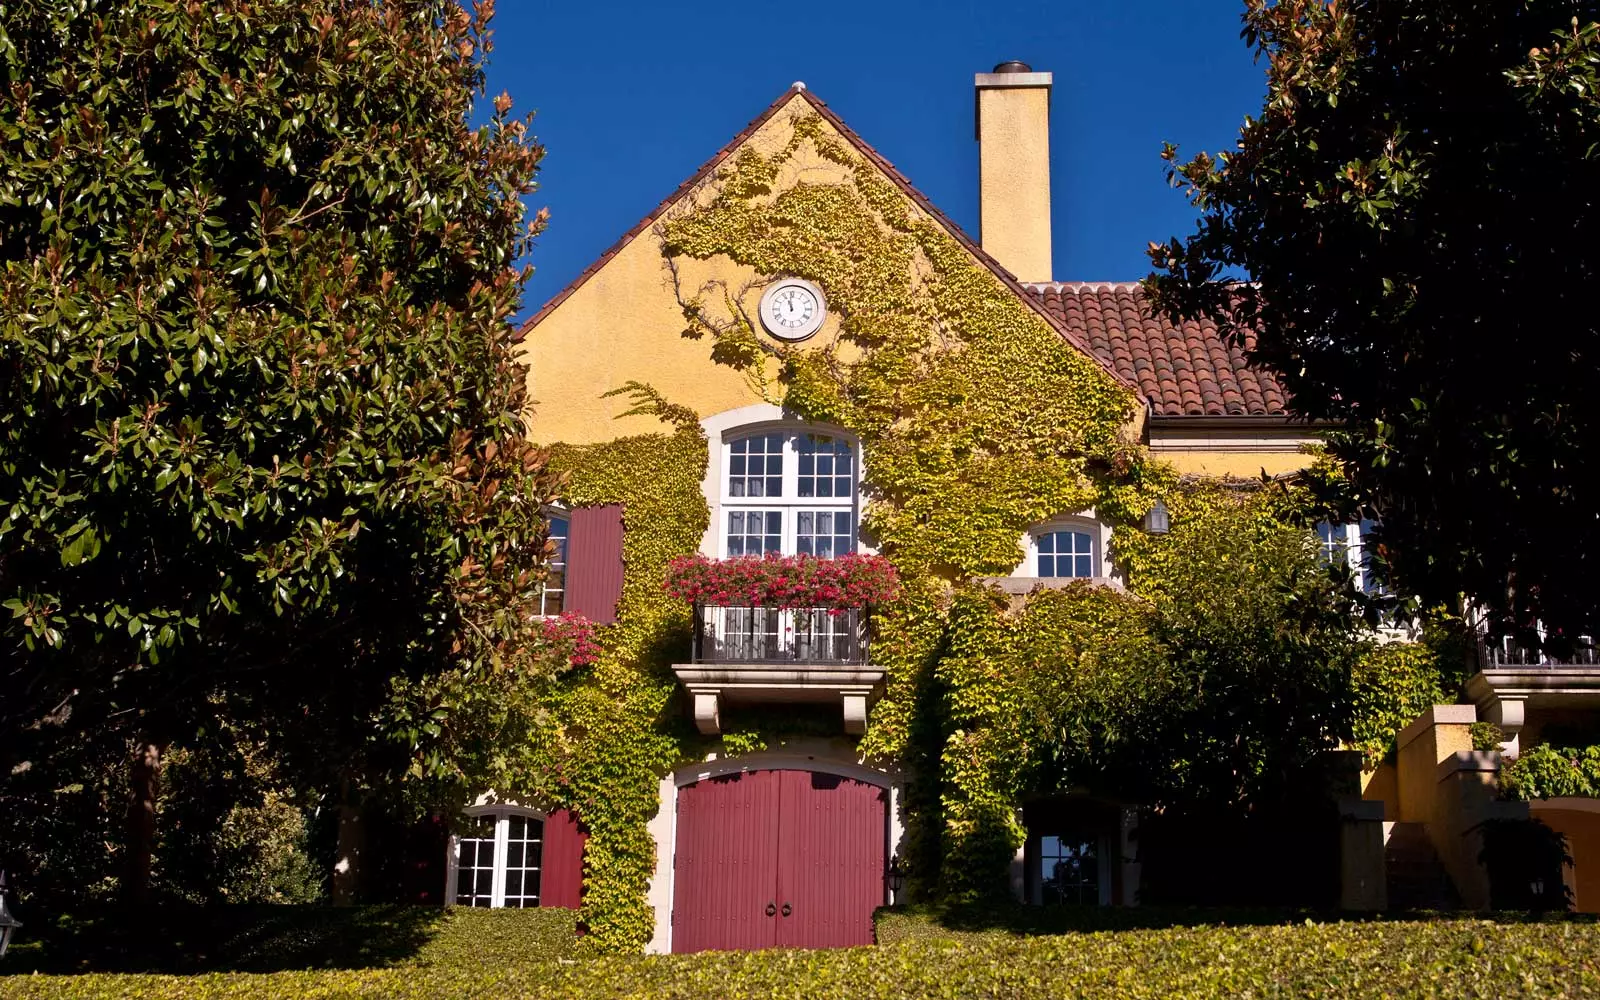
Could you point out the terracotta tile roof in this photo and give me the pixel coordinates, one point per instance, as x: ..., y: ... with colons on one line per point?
x: 1186, y: 369
x: 889, y: 170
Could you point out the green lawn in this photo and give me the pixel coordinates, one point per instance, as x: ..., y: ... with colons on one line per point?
x: 498, y: 955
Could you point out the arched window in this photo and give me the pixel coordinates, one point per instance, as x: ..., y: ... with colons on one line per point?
x: 1067, y: 553
x: 789, y: 492
x: 498, y: 856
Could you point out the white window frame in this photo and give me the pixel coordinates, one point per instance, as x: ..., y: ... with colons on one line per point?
x: 1352, y: 540
x: 502, y: 815
x: 565, y: 515
x: 790, y: 504
x: 1099, y: 542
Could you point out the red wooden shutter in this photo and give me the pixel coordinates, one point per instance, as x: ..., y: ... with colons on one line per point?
x: 594, y: 562
x: 561, y: 861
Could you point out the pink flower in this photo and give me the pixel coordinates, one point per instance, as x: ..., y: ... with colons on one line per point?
x: 773, y: 580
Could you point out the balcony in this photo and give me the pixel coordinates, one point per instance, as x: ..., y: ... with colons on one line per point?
x: 753, y: 655
x: 1513, y: 678
x: 1496, y: 654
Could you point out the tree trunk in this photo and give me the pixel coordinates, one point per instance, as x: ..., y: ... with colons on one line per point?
x: 347, y: 868
x: 144, y: 785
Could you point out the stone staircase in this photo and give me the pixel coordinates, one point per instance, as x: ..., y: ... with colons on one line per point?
x: 1417, y: 878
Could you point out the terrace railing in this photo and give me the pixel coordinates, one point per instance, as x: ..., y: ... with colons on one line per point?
x: 1498, y: 653
x: 779, y: 635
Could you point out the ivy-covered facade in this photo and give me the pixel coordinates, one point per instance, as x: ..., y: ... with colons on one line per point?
x: 1087, y: 509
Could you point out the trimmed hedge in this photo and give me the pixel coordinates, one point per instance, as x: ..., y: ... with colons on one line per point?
x: 194, y: 940
x: 1445, y: 958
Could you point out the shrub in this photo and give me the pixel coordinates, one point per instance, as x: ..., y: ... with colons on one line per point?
x: 1444, y: 959
x: 1391, y: 684
x: 1525, y: 860
x: 1546, y: 772
x: 194, y: 939
x: 1486, y: 737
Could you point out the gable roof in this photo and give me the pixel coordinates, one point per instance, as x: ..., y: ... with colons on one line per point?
x: 1186, y: 369
x: 798, y: 92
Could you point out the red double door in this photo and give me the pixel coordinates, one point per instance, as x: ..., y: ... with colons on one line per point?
x: 786, y: 859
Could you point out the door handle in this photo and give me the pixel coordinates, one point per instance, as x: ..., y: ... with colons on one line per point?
x: 787, y: 909
x: 772, y: 908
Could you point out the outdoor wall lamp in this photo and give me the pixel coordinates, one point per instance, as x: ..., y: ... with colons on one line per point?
x: 897, y: 875
x: 1158, y: 521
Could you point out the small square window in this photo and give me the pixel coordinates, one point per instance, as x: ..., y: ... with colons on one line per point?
x: 1068, y: 554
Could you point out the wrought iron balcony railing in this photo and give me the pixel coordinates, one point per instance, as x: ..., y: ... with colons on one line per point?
x: 774, y: 635
x: 1500, y: 653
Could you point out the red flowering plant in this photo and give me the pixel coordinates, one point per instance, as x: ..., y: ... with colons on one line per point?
x: 774, y: 581
x: 569, y: 637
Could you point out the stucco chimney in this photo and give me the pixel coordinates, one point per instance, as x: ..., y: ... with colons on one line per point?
x: 1013, y: 128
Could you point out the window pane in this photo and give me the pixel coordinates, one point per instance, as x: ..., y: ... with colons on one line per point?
x: 750, y: 533
x: 1047, y: 544
x: 1081, y: 568
x: 755, y: 466
x: 826, y: 534
x: 832, y: 472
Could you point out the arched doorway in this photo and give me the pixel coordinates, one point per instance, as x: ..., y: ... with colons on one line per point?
x: 778, y: 859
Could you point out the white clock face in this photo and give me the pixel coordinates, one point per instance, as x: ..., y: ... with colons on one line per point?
x: 792, y: 309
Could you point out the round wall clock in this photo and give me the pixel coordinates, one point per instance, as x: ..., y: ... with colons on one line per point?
x: 792, y: 309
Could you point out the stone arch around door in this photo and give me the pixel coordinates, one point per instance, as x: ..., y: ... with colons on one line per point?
x: 779, y: 850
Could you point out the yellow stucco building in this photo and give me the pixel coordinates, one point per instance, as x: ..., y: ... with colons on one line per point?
x: 778, y: 484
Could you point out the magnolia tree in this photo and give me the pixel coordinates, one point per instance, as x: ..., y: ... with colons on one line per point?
x: 1415, y: 204
x: 261, y: 450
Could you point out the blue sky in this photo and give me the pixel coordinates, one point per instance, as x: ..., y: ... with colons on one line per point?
x: 632, y: 97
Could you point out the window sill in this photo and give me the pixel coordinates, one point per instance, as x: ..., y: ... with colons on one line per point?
x: 1019, y: 586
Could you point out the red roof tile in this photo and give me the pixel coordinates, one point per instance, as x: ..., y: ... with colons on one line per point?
x: 1184, y: 369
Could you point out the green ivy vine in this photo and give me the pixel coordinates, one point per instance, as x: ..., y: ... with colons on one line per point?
x: 977, y: 421
x: 620, y: 732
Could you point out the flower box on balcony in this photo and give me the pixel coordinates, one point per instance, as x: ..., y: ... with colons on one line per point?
x: 784, y: 582
x: 781, y: 629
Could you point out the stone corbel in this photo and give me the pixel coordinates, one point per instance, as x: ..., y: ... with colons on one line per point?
x: 707, y: 714
x: 855, y: 713
x: 1507, y: 713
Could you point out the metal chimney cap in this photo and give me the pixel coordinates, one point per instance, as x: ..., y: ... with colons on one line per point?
x: 1013, y: 66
